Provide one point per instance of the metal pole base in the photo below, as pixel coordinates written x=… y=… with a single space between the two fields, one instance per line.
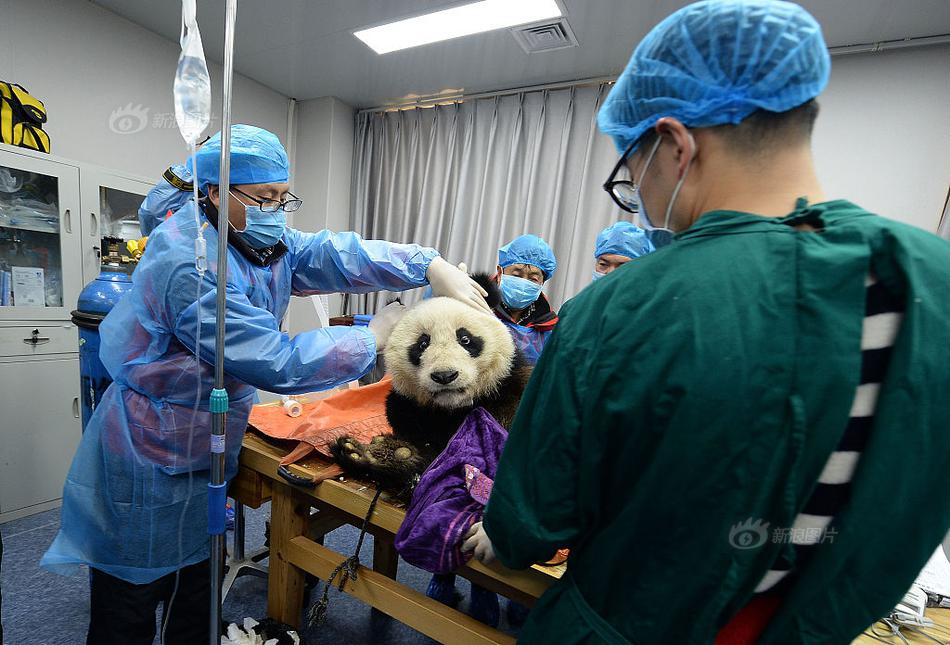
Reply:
x=241 y=564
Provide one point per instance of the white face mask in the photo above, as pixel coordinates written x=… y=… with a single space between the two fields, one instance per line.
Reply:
x=643 y=218
x=597 y=275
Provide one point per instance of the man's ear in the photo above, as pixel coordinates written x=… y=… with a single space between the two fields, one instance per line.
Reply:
x=682 y=138
x=214 y=196
x=498 y=273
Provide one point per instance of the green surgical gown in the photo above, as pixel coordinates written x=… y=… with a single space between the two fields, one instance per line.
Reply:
x=707 y=384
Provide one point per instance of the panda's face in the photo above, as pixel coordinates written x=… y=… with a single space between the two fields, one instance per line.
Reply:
x=446 y=354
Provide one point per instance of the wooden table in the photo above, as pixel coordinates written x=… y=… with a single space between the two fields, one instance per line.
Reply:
x=940 y=616
x=295 y=534
x=295 y=549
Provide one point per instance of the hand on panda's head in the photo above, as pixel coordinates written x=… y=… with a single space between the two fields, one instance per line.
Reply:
x=382 y=323
x=453 y=282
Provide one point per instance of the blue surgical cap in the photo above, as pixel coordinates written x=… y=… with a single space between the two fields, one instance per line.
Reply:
x=257 y=157
x=623 y=238
x=528 y=249
x=716 y=62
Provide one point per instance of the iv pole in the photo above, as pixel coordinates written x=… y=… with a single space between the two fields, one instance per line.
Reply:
x=217 y=486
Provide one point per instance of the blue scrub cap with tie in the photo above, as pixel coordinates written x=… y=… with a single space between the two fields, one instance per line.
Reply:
x=257 y=157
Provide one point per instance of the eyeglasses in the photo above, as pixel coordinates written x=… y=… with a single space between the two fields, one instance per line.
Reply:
x=273 y=205
x=626 y=193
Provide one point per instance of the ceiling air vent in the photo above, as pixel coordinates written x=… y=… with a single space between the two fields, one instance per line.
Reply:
x=545 y=36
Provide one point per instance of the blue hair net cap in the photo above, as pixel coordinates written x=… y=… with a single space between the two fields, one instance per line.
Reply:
x=716 y=62
x=528 y=249
x=257 y=157
x=623 y=238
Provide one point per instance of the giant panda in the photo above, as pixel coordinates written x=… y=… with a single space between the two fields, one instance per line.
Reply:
x=445 y=359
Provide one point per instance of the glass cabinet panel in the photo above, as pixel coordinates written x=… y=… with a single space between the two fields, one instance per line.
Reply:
x=31 y=263
x=119 y=211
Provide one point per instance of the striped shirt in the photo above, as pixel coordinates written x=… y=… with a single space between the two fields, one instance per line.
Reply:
x=882 y=319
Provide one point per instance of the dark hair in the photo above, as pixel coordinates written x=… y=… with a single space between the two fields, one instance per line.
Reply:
x=761 y=131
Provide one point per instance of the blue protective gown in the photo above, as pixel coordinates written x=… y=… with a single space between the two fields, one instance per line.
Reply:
x=144 y=458
x=163 y=198
x=534 y=333
x=528 y=339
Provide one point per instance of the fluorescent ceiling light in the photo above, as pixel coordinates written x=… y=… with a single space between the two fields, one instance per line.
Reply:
x=465 y=20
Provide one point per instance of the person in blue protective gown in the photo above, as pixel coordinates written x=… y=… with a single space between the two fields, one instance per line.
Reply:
x=135 y=499
x=524 y=265
x=172 y=191
x=741 y=437
x=617 y=245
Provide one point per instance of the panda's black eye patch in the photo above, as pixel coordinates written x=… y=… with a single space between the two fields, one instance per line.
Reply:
x=418 y=348
x=470 y=342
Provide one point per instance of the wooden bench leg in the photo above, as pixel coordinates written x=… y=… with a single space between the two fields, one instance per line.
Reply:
x=385 y=558
x=290 y=515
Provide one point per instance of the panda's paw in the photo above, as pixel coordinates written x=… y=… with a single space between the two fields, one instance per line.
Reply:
x=350 y=453
x=391 y=462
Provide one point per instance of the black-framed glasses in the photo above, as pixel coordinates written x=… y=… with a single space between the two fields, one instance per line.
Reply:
x=624 y=192
x=273 y=205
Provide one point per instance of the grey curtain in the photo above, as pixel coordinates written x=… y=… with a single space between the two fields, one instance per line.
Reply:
x=466 y=178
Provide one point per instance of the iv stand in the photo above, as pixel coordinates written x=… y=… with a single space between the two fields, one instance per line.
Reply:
x=217 y=487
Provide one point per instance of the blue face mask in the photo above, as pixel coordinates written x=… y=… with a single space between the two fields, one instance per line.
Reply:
x=263 y=229
x=519 y=293
x=597 y=275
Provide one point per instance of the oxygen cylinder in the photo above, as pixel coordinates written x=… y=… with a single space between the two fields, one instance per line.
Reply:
x=95 y=301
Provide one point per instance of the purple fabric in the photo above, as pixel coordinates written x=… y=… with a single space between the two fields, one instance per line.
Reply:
x=442 y=508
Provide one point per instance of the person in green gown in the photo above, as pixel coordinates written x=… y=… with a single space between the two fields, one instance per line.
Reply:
x=755 y=415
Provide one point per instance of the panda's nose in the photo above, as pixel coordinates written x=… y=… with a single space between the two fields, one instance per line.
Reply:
x=444 y=378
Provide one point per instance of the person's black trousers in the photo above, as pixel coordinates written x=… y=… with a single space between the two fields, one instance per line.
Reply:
x=124 y=613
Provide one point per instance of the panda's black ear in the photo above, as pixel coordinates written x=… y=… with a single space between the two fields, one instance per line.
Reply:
x=485 y=282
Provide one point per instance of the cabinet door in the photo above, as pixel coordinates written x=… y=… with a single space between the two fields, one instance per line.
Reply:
x=39 y=430
x=39 y=238
x=110 y=204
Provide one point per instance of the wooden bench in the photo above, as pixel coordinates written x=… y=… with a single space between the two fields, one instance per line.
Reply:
x=295 y=533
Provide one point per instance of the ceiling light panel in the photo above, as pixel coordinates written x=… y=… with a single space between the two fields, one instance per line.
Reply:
x=464 y=20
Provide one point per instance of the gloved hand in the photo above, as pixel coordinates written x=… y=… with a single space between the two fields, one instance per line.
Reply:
x=477 y=540
x=450 y=281
x=382 y=323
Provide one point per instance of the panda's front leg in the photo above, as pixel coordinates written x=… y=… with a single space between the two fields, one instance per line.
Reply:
x=391 y=463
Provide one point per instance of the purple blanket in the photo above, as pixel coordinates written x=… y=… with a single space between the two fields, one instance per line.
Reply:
x=451 y=495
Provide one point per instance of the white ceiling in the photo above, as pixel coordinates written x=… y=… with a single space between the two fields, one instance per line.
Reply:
x=306 y=49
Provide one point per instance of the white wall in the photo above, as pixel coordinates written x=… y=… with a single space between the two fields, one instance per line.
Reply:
x=323 y=160
x=85 y=63
x=882 y=138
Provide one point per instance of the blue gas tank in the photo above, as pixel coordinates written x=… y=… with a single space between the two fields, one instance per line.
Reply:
x=95 y=301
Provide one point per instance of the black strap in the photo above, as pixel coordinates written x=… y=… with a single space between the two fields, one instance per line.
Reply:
x=348 y=568
x=261 y=257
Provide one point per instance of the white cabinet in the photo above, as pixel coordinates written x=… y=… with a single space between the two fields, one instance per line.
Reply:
x=40 y=428
x=39 y=238
x=54 y=214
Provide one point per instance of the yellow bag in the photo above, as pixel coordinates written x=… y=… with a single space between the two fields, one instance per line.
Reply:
x=22 y=116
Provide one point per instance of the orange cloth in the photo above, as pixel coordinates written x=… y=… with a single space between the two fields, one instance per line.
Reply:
x=358 y=412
